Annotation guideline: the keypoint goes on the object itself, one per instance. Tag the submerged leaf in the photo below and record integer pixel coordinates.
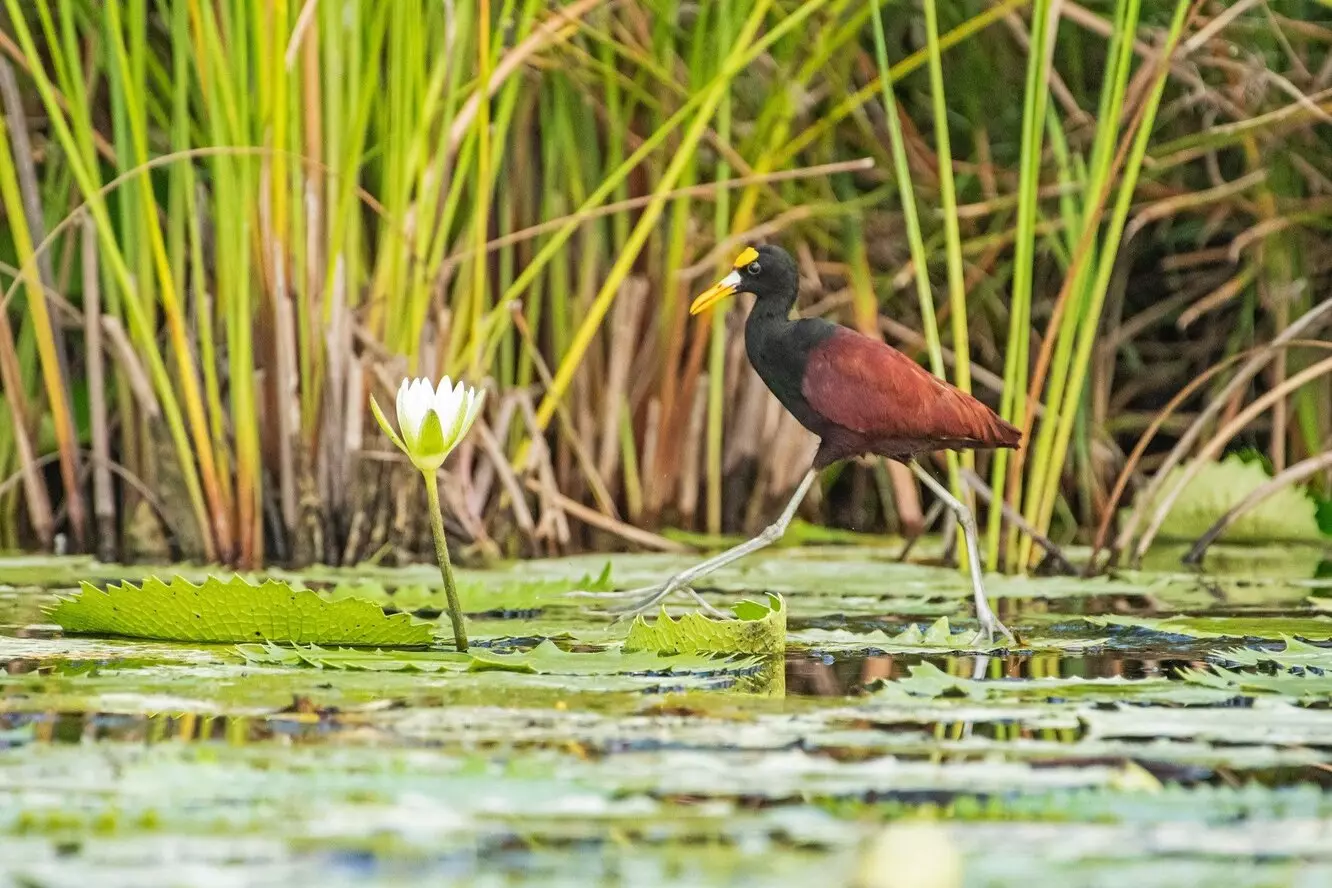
(234, 610)
(757, 629)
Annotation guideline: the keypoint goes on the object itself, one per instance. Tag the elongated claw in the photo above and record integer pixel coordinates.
(989, 625)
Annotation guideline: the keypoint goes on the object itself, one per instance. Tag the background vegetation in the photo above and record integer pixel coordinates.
(227, 221)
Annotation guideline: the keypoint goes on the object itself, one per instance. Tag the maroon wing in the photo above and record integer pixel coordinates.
(875, 391)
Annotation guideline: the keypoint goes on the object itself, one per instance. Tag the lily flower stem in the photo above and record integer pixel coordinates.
(445, 566)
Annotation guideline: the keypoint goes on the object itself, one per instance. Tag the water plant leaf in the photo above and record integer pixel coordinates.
(546, 658)
(1303, 686)
(929, 681)
(1287, 515)
(1295, 655)
(938, 637)
(233, 610)
(1318, 628)
(757, 629)
(477, 595)
(1325, 516)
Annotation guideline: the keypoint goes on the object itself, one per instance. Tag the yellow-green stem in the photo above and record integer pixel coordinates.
(445, 566)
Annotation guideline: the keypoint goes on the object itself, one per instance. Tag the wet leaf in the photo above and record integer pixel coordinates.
(1295, 654)
(1303, 686)
(938, 637)
(1317, 628)
(477, 596)
(232, 610)
(757, 629)
(546, 658)
(929, 681)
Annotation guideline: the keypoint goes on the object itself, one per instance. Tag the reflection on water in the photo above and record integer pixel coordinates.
(87, 727)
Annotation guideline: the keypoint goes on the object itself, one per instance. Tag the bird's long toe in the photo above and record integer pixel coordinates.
(649, 597)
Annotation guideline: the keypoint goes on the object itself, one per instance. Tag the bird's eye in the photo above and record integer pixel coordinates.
(754, 268)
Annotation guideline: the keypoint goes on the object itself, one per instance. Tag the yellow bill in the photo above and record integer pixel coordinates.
(724, 287)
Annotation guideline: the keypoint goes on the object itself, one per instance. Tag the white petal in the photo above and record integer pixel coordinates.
(451, 418)
(443, 404)
(476, 399)
(412, 409)
(403, 391)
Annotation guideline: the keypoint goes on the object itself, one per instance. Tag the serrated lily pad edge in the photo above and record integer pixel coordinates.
(747, 611)
(51, 609)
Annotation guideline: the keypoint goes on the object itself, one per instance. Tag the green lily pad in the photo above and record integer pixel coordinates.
(1317, 628)
(1305, 687)
(1296, 654)
(929, 681)
(938, 637)
(546, 658)
(757, 629)
(234, 610)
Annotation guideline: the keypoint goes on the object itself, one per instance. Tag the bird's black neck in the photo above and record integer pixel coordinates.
(770, 313)
(779, 348)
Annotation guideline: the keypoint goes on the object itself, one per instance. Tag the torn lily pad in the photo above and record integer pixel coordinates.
(233, 610)
(757, 629)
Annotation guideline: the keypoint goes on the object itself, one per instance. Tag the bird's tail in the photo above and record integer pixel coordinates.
(1006, 434)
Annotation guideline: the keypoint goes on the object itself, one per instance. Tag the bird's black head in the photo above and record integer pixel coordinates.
(768, 272)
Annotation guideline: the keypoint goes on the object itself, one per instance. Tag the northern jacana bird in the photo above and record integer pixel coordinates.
(859, 395)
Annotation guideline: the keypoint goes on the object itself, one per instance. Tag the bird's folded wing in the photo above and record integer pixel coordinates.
(869, 387)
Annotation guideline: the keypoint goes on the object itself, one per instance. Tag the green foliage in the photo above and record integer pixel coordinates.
(936, 638)
(1295, 655)
(929, 681)
(234, 610)
(1303, 686)
(547, 658)
(1318, 628)
(1287, 515)
(757, 629)
(478, 596)
(1325, 516)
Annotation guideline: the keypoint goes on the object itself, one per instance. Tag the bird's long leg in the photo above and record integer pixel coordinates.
(989, 622)
(680, 582)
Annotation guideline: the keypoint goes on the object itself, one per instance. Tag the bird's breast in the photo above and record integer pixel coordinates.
(779, 353)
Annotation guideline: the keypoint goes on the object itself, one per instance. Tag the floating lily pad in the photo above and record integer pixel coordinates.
(546, 658)
(1318, 628)
(938, 637)
(1295, 654)
(233, 610)
(756, 629)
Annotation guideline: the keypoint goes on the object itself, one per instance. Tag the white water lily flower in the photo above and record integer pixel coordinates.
(432, 420)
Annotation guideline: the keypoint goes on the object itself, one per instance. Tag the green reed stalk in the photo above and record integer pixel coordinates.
(1105, 267)
(717, 342)
(1013, 402)
(915, 239)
